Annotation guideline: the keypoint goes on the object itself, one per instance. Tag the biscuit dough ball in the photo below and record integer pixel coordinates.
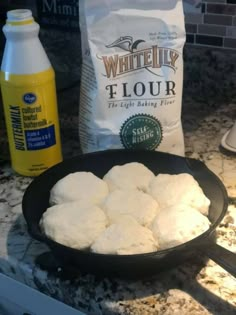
(178, 224)
(125, 237)
(72, 225)
(142, 207)
(129, 176)
(170, 190)
(83, 186)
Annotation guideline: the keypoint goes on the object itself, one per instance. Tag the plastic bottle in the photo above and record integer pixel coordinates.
(29, 97)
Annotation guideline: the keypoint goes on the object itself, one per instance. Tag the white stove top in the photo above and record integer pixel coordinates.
(19, 299)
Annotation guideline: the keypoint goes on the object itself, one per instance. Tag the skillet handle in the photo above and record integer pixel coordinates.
(223, 257)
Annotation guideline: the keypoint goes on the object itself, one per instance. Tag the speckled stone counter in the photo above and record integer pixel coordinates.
(196, 287)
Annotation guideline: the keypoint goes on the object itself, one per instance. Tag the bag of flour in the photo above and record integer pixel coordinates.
(132, 75)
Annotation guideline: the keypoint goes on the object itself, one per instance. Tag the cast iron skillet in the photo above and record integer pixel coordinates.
(36, 197)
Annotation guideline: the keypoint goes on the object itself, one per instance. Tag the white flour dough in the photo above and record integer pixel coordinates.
(170, 190)
(178, 224)
(83, 186)
(137, 204)
(72, 225)
(129, 176)
(126, 237)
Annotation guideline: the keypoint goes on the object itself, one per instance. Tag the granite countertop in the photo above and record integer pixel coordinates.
(198, 287)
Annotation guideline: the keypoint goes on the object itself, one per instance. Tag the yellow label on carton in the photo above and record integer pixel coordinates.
(31, 115)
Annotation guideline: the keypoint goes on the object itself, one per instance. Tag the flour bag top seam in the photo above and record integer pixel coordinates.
(132, 75)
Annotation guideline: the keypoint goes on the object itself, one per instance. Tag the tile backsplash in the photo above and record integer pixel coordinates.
(214, 26)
